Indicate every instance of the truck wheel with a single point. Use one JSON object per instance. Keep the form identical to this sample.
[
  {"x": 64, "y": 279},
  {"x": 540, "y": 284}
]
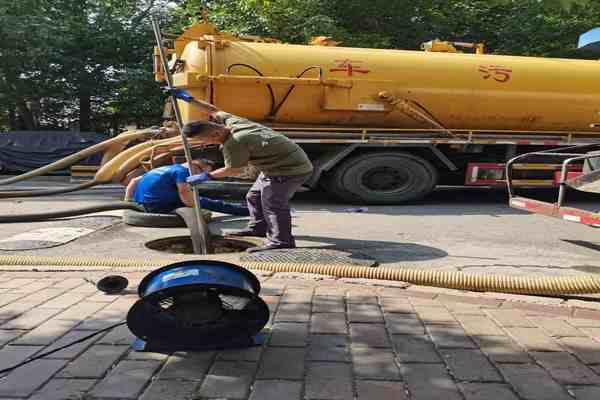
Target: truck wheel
[
  {"x": 154, "y": 220},
  {"x": 383, "y": 178}
]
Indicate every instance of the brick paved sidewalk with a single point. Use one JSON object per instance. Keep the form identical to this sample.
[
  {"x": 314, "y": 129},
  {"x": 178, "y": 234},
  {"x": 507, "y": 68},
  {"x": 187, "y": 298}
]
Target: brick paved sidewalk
[{"x": 328, "y": 339}]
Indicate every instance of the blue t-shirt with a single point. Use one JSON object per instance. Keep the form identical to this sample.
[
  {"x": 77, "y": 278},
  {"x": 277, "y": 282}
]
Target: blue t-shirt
[{"x": 157, "y": 190}]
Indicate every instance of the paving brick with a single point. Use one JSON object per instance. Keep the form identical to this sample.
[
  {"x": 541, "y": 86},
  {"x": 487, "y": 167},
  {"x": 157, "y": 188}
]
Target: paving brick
[
  {"x": 8, "y": 298},
  {"x": 126, "y": 380},
  {"x": 190, "y": 366},
  {"x": 243, "y": 354},
  {"x": 74, "y": 350},
  {"x": 293, "y": 312},
  {"x": 479, "y": 325},
  {"x": 64, "y": 300},
  {"x": 46, "y": 333},
  {"x": 487, "y": 391},
  {"x": 6, "y": 336},
  {"x": 39, "y": 297},
  {"x": 375, "y": 390},
  {"x": 450, "y": 336},
  {"x": 502, "y": 349},
  {"x": 334, "y": 289},
  {"x": 510, "y": 318},
  {"x": 592, "y": 332},
  {"x": 373, "y": 363},
  {"x": 470, "y": 365},
  {"x": 94, "y": 362},
  {"x": 36, "y": 286},
  {"x": 228, "y": 379},
  {"x": 360, "y": 296},
  {"x": 297, "y": 296},
  {"x": 566, "y": 369},
  {"x": 532, "y": 382},
  {"x": 429, "y": 382},
  {"x": 13, "y": 310},
  {"x": 475, "y": 301},
  {"x": 15, "y": 282},
  {"x": 270, "y": 289},
  {"x": 372, "y": 335},
  {"x": 71, "y": 283},
  {"x": 143, "y": 356},
  {"x": 329, "y": 381},
  {"x": 61, "y": 389},
  {"x": 464, "y": 309},
  {"x": 102, "y": 298},
  {"x": 396, "y": 305},
  {"x": 276, "y": 390},
  {"x": 586, "y": 392},
  {"x": 334, "y": 323},
  {"x": 80, "y": 311},
  {"x": 556, "y": 327},
  {"x": 31, "y": 318},
  {"x": 583, "y": 322},
  {"x": 120, "y": 335},
  {"x": 404, "y": 324},
  {"x": 328, "y": 304},
  {"x": 425, "y": 300},
  {"x": 329, "y": 348},
  {"x": 103, "y": 319},
  {"x": 289, "y": 334},
  {"x": 434, "y": 315},
  {"x": 11, "y": 355},
  {"x": 541, "y": 309},
  {"x": 415, "y": 349},
  {"x": 533, "y": 339},
  {"x": 364, "y": 313},
  {"x": 23, "y": 381},
  {"x": 161, "y": 389},
  {"x": 585, "y": 349},
  {"x": 282, "y": 363}
]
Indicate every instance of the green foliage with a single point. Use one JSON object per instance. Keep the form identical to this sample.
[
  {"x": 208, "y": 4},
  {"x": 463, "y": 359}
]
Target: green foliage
[{"x": 89, "y": 62}]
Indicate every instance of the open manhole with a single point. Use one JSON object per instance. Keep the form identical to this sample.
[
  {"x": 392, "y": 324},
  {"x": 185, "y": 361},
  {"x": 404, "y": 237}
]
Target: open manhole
[{"x": 183, "y": 245}]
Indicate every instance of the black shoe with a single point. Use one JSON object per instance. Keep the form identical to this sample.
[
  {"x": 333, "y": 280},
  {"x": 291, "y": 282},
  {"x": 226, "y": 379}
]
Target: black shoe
[
  {"x": 246, "y": 232},
  {"x": 267, "y": 247}
]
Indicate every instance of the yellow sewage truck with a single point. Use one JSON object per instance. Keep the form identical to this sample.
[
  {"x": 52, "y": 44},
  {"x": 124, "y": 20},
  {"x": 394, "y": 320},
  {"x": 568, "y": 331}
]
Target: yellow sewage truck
[{"x": 387, "y": 126}]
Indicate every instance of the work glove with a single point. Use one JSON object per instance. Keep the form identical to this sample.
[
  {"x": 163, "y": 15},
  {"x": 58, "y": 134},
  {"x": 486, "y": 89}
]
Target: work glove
[
  {"x": 196, "y": 179},
  {"x": 181, "y": 94}
]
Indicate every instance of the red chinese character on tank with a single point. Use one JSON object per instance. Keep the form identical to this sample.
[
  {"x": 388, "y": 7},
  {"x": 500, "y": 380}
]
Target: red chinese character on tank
[
  {"x": 497, "y": 72},
  {"x": 349, "y": 66}
]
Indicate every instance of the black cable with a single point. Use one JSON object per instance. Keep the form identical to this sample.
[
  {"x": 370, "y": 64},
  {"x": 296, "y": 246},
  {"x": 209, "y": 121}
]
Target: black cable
[
  {"x": 260, "y": 74},
  {"x": 61, "y": 348},
  {"x": 276, "y": 109}
]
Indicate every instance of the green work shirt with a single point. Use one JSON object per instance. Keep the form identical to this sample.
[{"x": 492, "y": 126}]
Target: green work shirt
[{"x": 263, "y": 148}]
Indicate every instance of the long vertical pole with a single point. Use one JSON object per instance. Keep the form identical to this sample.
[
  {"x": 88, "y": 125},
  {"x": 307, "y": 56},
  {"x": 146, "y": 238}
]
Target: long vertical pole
[{"x": 186, "y": 145}]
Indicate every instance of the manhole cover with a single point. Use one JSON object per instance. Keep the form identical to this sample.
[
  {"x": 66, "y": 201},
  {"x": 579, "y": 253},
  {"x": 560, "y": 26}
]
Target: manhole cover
[
  {"x": 183, "y": 245},
  {"x": 300, "y": 255}
]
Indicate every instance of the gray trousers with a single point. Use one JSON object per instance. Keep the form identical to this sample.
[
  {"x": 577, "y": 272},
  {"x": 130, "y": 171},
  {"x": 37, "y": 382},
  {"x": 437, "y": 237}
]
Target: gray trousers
[{"x": 269, "y": 205}]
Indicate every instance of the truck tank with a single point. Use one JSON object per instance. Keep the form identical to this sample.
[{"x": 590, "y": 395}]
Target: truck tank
[{"x": 303, "y": 85}]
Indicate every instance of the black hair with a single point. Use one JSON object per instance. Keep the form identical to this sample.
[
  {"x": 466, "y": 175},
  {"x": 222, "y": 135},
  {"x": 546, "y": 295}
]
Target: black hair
[{"x": 200, "y": 128}]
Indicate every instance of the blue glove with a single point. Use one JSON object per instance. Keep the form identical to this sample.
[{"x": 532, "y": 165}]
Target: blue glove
[
  {"x": 196, "y": 179},
  {"x": 182, "y": 94}
]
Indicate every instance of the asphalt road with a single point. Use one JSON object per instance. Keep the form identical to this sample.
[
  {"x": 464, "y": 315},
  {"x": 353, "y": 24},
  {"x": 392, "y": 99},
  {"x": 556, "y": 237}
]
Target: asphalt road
[{"x": 456, "y": 228}]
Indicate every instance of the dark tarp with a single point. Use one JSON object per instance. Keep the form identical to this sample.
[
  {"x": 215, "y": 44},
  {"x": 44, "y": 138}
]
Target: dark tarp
[{"x": 22, "y": 151}]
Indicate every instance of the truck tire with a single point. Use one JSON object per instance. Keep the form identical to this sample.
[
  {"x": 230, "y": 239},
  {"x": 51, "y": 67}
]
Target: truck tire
[
  {"x": 154, "y": 220},
  {"x": 383, "y": 178}
]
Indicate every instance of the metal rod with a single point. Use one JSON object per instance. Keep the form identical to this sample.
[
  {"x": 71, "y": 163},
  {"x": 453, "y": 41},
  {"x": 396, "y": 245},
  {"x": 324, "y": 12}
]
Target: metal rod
[{"x": 186, "y": 146}]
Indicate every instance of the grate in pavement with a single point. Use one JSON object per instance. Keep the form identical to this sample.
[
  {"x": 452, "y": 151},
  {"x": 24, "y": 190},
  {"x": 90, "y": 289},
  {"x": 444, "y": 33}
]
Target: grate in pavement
[{"x": 309, "y": 256}]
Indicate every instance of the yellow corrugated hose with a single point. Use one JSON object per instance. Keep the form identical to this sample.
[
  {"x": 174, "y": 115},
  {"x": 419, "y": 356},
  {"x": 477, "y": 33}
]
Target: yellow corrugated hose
[{"x": 428, "y": 277}]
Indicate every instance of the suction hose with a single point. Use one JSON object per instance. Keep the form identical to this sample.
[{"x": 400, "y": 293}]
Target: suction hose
[
  {"x": 447, "y": 279},
  {"x": 118, "y": 205},
  {"x": 46, "y": 192}
]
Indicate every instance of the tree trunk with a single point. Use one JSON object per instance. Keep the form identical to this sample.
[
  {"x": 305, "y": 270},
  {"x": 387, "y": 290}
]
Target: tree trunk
[
  {"x": 85, "y": 110},
  {"x": 26, "y": 115}
]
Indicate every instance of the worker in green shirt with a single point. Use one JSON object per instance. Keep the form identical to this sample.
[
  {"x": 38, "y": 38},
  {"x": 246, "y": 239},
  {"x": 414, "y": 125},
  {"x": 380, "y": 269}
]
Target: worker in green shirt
[{"x": 283, "y": 167}]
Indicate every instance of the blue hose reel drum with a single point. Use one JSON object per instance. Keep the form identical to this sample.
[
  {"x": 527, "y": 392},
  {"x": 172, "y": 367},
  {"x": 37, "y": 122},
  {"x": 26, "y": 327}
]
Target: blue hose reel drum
[{"x": 197, "y": 305}]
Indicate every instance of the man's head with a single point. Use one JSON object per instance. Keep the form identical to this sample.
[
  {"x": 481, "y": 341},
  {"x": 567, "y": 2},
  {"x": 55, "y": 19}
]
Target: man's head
[
  {"x": 204, "y": 164},
  {"x": 207, "y": 132}
]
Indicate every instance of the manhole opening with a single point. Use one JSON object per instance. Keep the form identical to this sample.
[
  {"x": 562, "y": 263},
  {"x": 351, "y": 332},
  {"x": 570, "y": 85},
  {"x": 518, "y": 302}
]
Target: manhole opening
[{"x": 183, "y": 245}]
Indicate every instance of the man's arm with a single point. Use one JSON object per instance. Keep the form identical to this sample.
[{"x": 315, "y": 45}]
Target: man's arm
[
  {"x": 185, "y": 194},
  {"x": 225, "y": 172},
  {"x": 131, "y": 188}
]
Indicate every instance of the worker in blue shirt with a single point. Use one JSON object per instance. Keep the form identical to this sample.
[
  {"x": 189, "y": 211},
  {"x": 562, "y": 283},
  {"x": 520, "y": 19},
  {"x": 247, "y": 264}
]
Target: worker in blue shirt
[{"x": 162, "y": 190}]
